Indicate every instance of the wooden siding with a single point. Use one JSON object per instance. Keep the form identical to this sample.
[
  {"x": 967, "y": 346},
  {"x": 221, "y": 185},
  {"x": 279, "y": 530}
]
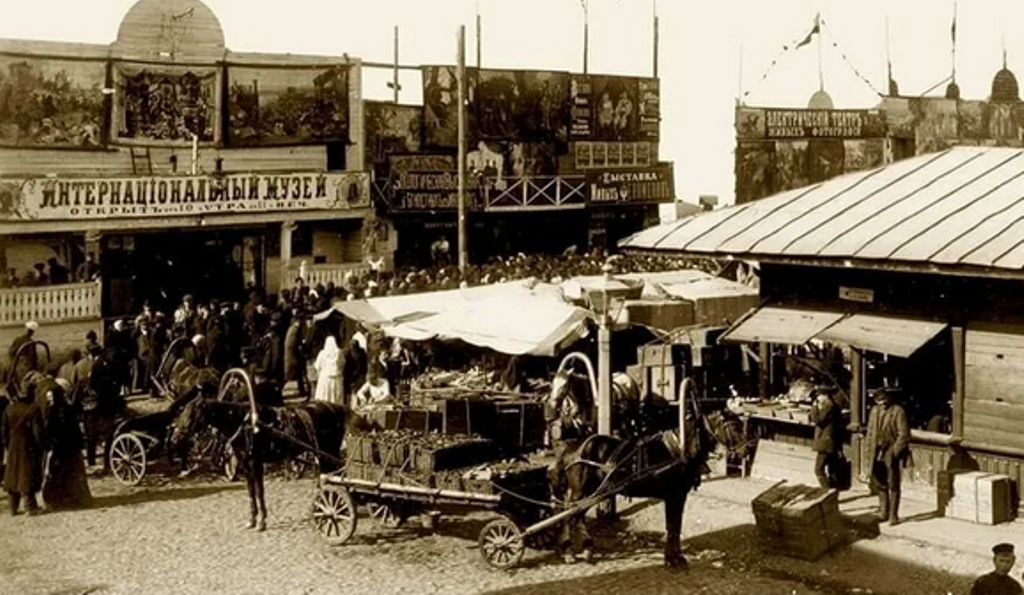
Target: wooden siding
[
  {"x": 118, "y": 162},
  {"x": 994, "y": 403}
]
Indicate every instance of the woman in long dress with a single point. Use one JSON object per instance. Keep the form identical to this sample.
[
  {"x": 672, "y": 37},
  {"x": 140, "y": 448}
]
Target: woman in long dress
[
  {"x": 66, "y": 485},
  {"x": 328, "y": 373}
]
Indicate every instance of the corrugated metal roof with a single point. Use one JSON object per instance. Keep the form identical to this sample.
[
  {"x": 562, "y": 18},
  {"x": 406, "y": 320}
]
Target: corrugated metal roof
[{"x": 960, "y": 207}]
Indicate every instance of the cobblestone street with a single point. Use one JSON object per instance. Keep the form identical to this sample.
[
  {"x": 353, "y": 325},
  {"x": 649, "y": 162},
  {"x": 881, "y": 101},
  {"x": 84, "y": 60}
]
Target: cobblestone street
[{"x": 187, "y": 536}]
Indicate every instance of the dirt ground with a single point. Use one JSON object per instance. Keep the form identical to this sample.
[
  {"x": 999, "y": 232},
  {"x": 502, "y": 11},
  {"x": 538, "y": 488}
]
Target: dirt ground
[{"x": 188, "y": 536}]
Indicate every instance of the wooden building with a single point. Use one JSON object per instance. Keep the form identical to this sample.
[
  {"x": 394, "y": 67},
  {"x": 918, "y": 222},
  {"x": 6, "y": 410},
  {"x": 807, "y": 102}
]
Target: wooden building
[
  {"x": 179, "y": 165},
  {"x": 917, "y": 270}
]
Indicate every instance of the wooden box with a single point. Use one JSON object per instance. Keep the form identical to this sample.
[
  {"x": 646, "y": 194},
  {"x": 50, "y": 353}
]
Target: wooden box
[
  {"x": 799, "y": 520},
  {"x": 468, "y": 416},
  {"x": 519, "y": 424},
  {"x": 976, "y": 496}
]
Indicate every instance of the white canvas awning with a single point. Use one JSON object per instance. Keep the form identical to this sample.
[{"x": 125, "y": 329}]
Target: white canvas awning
[{"x": 901, "y": 337}]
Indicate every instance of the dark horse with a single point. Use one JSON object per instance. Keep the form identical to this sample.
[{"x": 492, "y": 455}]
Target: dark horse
[
  {"x": 279, "y": 432},
  {"x": 646, "y": 459}
]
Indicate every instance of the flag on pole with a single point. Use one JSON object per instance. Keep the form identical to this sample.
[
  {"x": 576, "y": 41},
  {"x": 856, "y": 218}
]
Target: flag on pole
[{"x": 810, "y": 36}]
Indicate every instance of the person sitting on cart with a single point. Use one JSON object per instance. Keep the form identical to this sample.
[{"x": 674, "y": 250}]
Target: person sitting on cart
[
  {"x": 375, "y": 390},
  {"x": 567, "y": 422}
]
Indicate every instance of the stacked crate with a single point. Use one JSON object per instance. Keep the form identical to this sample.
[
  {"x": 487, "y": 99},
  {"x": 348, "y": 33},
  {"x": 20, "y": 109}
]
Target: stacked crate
[
  {"x": 975, "y": 496},
  {"x": 799, "y": 521}
]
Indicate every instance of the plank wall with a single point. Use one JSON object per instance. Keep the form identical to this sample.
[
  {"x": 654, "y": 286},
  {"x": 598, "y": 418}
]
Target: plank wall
[{"x": 994, "y": 392}]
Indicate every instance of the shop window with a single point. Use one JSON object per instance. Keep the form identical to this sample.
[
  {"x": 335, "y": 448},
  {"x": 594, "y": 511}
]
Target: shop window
[{"x": 923, "y": 383}]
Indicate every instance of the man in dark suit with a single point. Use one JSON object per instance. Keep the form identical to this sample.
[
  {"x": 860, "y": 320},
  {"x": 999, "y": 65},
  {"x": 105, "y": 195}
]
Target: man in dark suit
[
  {"x": 827, "y": 417},
  {"x": 999, "y": 582},
  {"x": 889, "y": 442}
]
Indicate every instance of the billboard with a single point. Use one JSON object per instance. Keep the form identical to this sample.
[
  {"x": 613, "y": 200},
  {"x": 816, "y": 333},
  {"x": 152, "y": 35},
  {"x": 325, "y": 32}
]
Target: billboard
[
  {"x": 522, "y": 105},
  {"x": 391, "y": 129},
  {"x": 632, "y": 186},
  {"x": 441, "y": 107},
  {"x": 282, "y": 106},
  {"x": 45, "y": 199},
  {"x": 166, "y": 103},
  {"x": 51, "y": 103}
]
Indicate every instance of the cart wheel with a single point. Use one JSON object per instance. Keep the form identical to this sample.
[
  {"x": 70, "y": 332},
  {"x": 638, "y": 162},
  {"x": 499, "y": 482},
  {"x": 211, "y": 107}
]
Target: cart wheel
[
  {"x": 501, "y": 543},
  {"x": 128, "y": 459},
  {"x": 390, "y": 516},
  {"x": 334, "y": 514}
]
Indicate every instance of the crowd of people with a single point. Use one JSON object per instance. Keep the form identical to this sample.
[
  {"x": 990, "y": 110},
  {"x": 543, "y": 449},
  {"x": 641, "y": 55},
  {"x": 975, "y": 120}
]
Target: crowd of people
[{"x": 51, "y": 273}]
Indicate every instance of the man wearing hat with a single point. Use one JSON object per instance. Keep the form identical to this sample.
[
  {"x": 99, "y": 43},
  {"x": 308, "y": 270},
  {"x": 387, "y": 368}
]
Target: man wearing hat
[
  {"x": 999, "y": 582},
  {"x": 889, "y": 442}
]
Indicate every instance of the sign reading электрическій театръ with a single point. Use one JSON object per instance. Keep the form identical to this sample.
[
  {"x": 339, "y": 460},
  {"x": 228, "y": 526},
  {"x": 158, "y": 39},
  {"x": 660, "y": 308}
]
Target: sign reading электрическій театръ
[
  {"x": 169, "y": 196},
  {"x": 632, "y": 186},
  {"x": 770, "y": 123}
]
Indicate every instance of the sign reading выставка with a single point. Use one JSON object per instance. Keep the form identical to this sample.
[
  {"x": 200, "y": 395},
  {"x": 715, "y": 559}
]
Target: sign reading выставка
[
  {"x": 169, "y": 196},
  {"x": 639, "y": 185}
]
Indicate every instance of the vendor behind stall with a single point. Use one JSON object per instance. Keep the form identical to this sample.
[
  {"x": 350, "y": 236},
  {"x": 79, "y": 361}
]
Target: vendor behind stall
[{"x": 375, "y": 390}]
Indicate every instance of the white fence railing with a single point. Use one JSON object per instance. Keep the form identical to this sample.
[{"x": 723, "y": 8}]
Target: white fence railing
[
  {"x": 50, "y": 303},
  {"x": 322, "y": 274}
]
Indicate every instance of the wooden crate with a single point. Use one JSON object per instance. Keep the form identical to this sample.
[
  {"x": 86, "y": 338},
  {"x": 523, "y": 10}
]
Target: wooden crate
[
  {"x": 975, "y": 496},
  {"x": 799, "y": 520}
]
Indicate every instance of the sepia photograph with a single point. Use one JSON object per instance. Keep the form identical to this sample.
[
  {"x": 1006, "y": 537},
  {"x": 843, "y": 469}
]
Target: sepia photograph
[{"x": 465, "y": 297}]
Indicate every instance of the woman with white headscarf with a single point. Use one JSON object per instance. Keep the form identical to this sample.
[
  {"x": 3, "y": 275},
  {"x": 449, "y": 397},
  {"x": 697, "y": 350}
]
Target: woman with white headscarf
[{"x": 328, "y": 373}]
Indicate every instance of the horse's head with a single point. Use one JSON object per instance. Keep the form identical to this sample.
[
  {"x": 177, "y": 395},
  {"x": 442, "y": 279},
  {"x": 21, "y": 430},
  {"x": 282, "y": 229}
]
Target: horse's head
[
  {"x": 725, "y": 428},
  {"x": 194, "y": 416}
]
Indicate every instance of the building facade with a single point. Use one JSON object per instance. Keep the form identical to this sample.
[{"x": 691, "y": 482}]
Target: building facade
[{"x": 178, "y": 166}]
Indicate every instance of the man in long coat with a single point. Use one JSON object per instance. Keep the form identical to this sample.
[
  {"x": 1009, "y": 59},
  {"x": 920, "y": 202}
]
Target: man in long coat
[
  {"x": 889, "y": 442},
  {"x": 23, "y": 436},
  {"x": 295, "y": 354},
  {"x": 827, "y": 417}
]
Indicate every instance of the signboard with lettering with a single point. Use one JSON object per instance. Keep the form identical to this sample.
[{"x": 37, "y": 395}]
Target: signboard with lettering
[
  {"x": 428, "y": 190},
  {"x": 48, "y": 199},
  {"x": 632, "y": 186},
  {"x": 773, "y": 123},
  {"x": 650, "y": 109},
  {"x": 580, "y": 104}
]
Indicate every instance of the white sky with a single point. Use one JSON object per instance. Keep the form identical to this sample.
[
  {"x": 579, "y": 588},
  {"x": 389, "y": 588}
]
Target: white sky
[{"x": 701, "y": 45}]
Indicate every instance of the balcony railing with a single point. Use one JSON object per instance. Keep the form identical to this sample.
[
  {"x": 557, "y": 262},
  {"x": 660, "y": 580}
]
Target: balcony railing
[
  {"x": 538, "y": 193},
  {"x": 50, "y": 303},
  {"x": 322, "y": 274}
]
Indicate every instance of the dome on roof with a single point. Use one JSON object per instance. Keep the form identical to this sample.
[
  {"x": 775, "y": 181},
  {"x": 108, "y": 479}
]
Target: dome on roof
[
  {"x": 952, "y": 90},
  {"x": 820, "y": 100},
  {"x": 1004, "y": 86},
  {"x": 170, "y": 29}
]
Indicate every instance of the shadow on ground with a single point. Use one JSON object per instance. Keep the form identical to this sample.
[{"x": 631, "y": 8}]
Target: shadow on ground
[
  {"x": 733, "y": 560},
  {"x": 142, "y": 495}
]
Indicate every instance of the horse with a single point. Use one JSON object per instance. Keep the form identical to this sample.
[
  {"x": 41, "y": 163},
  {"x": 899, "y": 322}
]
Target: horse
[
  {"x": 645, "y": 460},
  {"x": 285, "y": 432}
]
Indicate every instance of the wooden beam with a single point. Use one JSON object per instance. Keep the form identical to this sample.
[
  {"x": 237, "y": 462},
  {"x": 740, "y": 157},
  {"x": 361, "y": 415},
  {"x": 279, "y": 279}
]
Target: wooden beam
[{"x": 959, "y": 358}]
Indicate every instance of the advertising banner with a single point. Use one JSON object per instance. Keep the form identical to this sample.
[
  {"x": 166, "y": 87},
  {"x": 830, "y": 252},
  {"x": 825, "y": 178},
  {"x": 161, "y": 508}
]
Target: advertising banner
[
  {"x": 281, "y": 106},
  {"x": 45, "y": 199},
  {"x": 601, "y": 155},
  {"x": 167, "y": 103},
  {"x": 580, "y": 107},
  {"x": 522, "y": 105},
  {"x": 51, "y": 103},
  {"x": 761, "y": 123},
  {"x": 391, "y": 129},
  {"x": 650, "y": 109},
  {"x": 429, "y": 190},
  {"x": 632, "y": 186},
  {"x": 615, "y": 108},
  {"x": 441, "y": 106}
]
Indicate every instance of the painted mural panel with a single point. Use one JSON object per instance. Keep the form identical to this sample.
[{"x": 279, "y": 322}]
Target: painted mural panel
[
  {"x": 649, "y": 122},
  {"x": 754, "y": 162},
  {"x": 441, "y": 106},
  {"x": 279, "y": 106},
  {"x": 391, "y": 129},
  {"x": 825, "y": 159},
  {"x": 523, "y": 105},
  {"x": 790, "y": 165},
  {"x": 166, "y": 103},
  {"x": 51, "y": 103},
  {"x": 972, "y": 116},
  {"x": 615, "y": 108}
]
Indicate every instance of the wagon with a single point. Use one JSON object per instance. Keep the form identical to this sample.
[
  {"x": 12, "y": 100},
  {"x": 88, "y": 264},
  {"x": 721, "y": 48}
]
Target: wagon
[
  {"x": 143, "y": 436},
  {"x": 522, "y": 517}
]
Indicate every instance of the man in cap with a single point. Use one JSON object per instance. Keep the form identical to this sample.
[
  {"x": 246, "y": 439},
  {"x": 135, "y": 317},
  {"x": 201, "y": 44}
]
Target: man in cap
[
  {"x": 889, "y": 442},
  {"x": 999, "y": 582}
]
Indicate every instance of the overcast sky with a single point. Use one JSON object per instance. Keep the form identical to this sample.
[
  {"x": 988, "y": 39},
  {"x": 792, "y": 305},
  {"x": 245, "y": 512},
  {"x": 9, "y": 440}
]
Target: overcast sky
[{"x": 700, "y": 54}]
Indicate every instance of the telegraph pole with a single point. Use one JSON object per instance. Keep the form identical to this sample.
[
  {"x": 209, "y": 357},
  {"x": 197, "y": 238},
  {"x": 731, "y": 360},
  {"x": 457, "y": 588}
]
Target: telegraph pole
[
  {"x": 461, "y": 79},
  {"x": 394, "y": 72},
  {"x": 586, "y": 33},
  {"x": 479, "y": 32},
  {"x": 655, "y": 38}
]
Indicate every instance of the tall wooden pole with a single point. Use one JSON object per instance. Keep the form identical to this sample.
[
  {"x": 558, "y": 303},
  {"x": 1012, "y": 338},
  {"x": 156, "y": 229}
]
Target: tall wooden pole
[
  {"x": 655, "y": 10},
  {"x": 394, "y": 71},
  {"x": 586, "y": 34},
  {"x": 479, "y": 37},
  {"x": 461, "y": 77}
]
